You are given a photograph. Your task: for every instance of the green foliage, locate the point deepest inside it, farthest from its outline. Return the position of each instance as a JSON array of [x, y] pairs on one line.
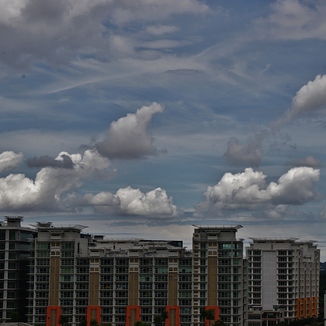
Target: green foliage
[[208, 314], [157, 320], [141, 323], [164, 315], [63, 320], [14, 316], [83, 322], [219, 323], [94, 322], [300, 322]]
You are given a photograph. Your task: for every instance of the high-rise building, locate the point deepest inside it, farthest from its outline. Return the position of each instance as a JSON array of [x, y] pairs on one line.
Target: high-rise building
[[118, 282], [14, 257], [218, 273], [84, 278], [57, 273], [283, 280]]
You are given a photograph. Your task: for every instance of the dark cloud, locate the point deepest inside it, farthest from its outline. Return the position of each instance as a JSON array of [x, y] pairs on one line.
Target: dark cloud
[[306, 161], [244, 154], [65, 162], [57, 31], [44, 10]]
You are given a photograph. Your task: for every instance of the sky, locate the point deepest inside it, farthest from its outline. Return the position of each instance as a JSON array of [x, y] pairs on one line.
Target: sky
[[145, 118]]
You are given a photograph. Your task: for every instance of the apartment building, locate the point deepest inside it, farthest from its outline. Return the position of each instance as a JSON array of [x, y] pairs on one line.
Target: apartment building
[[218, 273], [283, 280], [118, 282], [87, 277], [55, 277], [14, 257]]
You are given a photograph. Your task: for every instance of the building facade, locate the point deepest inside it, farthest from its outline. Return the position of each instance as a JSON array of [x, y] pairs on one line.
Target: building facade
[[119, 282], [218, 273], [283, 280], [14, 258]]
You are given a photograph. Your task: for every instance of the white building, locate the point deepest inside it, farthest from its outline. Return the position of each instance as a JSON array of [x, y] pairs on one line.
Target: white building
[[283, 280]]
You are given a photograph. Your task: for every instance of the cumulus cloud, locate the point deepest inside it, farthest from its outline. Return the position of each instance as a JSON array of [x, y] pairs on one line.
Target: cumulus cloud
[[129, 201], [310, 97], [294, 20], [249, 190], [47, 161], [307, 161], [247, 154], [128, 137], [10, 160], [45, 193], [56, 31], [155, 202]]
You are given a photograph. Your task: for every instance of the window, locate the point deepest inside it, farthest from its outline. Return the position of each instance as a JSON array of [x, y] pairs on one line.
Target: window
[[146, 286], [12, 235], [67, 286]]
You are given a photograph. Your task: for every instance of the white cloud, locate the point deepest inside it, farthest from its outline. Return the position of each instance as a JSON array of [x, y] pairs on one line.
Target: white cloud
[[155, 202], [128, 137], [10, 160], [129, 201], [20, 193], [294, 20], [309, 97], [249, 190]]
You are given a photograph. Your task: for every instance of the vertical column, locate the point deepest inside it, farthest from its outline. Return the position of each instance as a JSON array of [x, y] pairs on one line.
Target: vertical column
[[211, 279], [297, 308], [133, 309], [5, 276], [315, 309], [53, 310], [172, 308], [94, 309], [133, 315], [173, 316]]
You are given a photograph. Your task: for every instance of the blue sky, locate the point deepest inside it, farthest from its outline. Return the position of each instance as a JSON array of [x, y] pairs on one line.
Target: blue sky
[[142, 118]]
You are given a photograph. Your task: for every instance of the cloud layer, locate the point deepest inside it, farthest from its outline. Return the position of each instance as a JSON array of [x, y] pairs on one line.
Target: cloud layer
[[248, 190], [294, 20], [56, 32]]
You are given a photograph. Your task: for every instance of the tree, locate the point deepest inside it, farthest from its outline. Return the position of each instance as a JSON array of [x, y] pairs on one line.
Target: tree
[[83, 322], [63, 320], [208, 314], [158, 320], [140, 323], [165, 315], [14, 316], [219, 323], [94, 322]]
